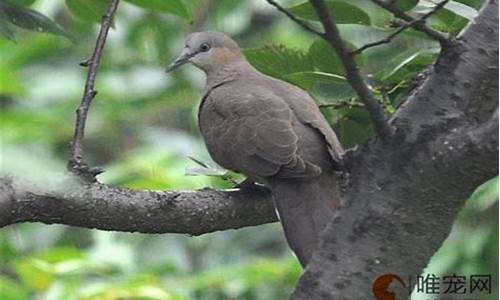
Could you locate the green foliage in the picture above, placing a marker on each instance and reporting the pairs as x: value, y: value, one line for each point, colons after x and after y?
x: 25, y: 18
x: 343, y: 12
x: 175, y: 7
x: 324, y: 58
x: 277, y: 61
x: 22, y: 2
x: 88, y: 10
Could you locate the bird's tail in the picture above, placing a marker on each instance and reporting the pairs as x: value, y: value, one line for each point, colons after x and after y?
x: 305, y: 206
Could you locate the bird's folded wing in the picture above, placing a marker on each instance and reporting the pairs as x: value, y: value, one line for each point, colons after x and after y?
x: 258, y: 128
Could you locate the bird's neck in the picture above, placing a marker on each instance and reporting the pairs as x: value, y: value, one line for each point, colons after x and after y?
x: 227, y: 72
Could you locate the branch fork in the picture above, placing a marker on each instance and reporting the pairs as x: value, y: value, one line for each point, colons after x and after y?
x: 75, y: 162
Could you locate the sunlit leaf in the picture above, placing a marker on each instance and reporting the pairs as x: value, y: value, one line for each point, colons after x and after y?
x: 452, y: 18
x: 462, y: 10
x: 205, y: 168
x: 342, y: 12
x: 175, y: 7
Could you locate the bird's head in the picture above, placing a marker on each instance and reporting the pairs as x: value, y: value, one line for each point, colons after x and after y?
x: 207, y: 51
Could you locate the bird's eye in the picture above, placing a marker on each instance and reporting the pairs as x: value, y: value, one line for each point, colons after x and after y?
x: 204, y: 47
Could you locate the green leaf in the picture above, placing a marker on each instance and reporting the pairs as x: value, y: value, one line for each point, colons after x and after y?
x: 405, y: 4
x: 452, y: 18
x: 277, y: 61
x: 28, y: 19
x: 325, y: 58
x: 175, y: 7
x: 10, y: 290
x: 22, y: 2
x: 87, y: 10
x: 205, y: 168
x: 384, y: 60
x: 343, y: 12
x: 355, y: 127
x: 462, y: 10
x: 308, y: 79
x: 378, y: 16
x: 326, y: 88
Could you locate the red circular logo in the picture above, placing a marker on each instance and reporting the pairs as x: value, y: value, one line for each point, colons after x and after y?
x: 381, y: 285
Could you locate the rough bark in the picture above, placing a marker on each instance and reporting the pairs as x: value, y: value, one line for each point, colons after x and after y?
x: 403, y: 197
x: 111, y: 208
x: 399, y: 202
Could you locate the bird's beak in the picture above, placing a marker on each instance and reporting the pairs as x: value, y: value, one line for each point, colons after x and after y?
x: 182, y: 59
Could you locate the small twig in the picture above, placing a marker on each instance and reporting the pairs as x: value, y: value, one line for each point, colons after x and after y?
x: 75, y: 163
x: 401, y: 29
x: 353, y: 76
x: 416, y: 24
x: 294, y: 18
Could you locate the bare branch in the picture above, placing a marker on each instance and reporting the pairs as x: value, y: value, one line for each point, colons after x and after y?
x: 294, y: 18
x: 75, y: 163
x: 353, y: 76
x: 401, y: 29
x: 420, y: 26
x: 119, y: 209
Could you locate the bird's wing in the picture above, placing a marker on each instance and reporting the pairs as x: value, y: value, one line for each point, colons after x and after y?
x: 308, y: 113
x: 258, y: 131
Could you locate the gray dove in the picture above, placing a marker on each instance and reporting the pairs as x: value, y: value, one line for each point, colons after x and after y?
x: 270, y: 131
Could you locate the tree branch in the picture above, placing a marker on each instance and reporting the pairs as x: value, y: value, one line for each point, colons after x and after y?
x: 403, y: 197
x: 75, y: 163
x: 353, y: 76
x: 389, y: 38
x: 119, y: 209
x: 294, y: 18
x: 420, y: 26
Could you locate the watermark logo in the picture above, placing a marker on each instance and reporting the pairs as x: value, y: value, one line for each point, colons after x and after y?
x: 381, y: 285
x: 430, y: 284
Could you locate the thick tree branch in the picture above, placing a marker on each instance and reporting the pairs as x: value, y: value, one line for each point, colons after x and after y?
x: 111, y: 208
x: 75, y: 163
x: 353, y: 76
x: 420, y: 26
x: 403, y: 197
x: 390, y: 37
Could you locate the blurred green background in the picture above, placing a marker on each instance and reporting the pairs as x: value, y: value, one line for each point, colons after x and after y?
x: 142, y: 129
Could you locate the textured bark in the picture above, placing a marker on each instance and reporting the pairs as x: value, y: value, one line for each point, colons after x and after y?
x: 403, y: 197
x: 111, y: 208
x: 400, y: 199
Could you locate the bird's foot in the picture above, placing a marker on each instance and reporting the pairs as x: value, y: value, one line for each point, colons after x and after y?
x: 84, y: 172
